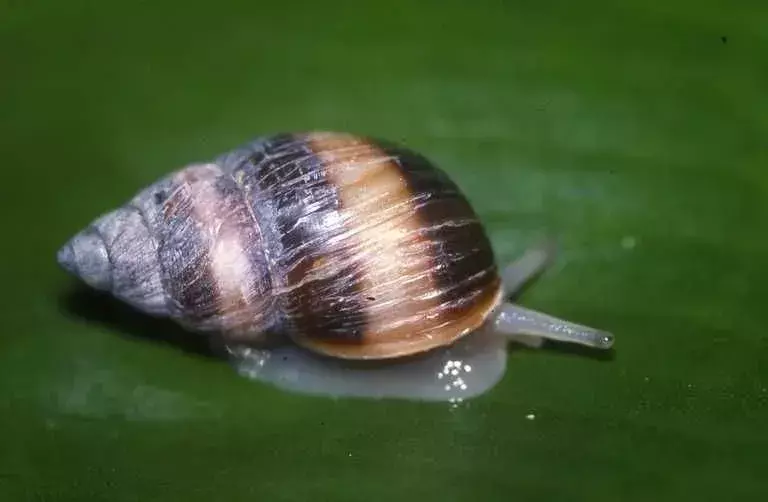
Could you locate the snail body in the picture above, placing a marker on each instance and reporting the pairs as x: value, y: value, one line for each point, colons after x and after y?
x: 325, y: 263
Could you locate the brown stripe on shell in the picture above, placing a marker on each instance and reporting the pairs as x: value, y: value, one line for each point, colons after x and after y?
x: 212, y: 253
x: 464, y: 265
x: 316, y: 276
x: 398, y: 253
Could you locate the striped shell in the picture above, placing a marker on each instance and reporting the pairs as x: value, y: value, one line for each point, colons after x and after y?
x: 353, y: 247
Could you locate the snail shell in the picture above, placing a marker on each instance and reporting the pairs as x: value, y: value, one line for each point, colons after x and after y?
x: 351, y: 248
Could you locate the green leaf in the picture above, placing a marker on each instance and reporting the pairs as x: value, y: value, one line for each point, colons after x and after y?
x: 634, y: 131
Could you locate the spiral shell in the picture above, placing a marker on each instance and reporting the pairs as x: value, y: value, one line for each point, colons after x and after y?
x: 353, y: 247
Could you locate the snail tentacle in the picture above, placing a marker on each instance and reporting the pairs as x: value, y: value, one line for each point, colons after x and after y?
x: 522, y: 324
x: 524, y: 269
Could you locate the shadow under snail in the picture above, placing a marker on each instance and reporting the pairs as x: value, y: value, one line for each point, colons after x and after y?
x: 324, y: 263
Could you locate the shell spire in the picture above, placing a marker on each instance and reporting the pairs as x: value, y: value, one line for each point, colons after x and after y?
x: 117, y: 254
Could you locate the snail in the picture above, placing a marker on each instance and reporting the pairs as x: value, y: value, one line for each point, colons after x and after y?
x: 324, y: 263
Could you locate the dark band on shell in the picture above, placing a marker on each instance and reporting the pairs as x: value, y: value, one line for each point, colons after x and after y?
x: 317, y: 282
x: 210, y: 251
x: 464, y: 263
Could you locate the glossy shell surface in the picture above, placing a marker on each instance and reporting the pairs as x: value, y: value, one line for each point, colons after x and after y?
x: 352, y: 247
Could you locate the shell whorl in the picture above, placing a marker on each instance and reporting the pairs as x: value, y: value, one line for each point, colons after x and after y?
x: 374, y: 251
x: 353, y: 247
x: 210, y: 251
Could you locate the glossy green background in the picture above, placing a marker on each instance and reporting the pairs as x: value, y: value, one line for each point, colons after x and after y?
x: 607, y: 123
